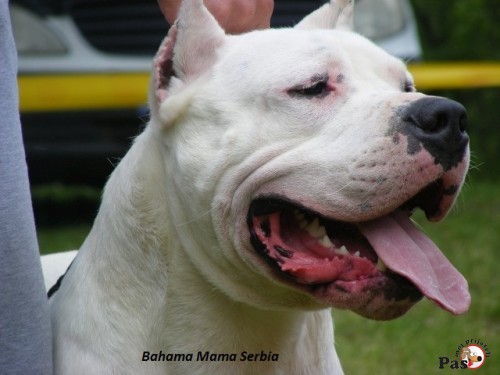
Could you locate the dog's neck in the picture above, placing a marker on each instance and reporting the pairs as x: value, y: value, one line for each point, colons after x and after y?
x: 195, y: 307
x: 182, y: 312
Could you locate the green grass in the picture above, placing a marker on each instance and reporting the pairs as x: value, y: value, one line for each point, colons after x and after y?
x: 64, y: 215
x: 64, y: 194
x: 56, y: 239
x: 470, y: 238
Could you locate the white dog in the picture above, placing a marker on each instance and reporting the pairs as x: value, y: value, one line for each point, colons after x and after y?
x: 274, y: 181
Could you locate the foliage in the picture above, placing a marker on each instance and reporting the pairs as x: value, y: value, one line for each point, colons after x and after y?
x: 458, y: 29
x: 467, y: 30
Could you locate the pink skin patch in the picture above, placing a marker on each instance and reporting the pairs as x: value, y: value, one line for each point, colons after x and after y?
x: 163, y: 69
x: 306, y: 258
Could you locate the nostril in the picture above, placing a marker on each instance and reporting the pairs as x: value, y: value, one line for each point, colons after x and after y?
x: 441, y: 122
x: 430, y: 122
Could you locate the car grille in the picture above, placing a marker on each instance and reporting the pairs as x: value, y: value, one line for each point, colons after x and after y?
x: 289, y: 13
x: 121, y: 27
x: 137, y: 26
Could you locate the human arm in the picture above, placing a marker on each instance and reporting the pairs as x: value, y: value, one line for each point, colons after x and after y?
x: 25, y: 337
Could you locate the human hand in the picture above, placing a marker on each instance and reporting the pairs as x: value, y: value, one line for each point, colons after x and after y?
x: 234, y: 16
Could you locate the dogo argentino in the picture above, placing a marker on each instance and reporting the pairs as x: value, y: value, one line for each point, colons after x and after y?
x: 275, y: 180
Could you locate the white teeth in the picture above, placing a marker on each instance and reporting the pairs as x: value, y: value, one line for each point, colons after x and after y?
x: 303, y: 224
x: 325, y: 241
x: 301, y: 219
x: 342, y: 251
x: 381, y: 266
x: 316, y: 230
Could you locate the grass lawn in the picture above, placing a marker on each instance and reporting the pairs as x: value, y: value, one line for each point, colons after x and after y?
x: 470, y: 238
x: 56, y: 239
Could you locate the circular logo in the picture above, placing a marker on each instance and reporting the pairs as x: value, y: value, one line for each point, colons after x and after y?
x: 474, y: 355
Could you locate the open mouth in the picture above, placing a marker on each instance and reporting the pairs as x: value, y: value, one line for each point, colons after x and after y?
x: 388, y: 253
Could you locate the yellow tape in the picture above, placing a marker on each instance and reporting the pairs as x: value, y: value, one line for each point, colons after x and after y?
x: 455, y: 75
x: 59, y: 92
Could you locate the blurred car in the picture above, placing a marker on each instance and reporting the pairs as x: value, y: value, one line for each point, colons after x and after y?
x: 84, y: 73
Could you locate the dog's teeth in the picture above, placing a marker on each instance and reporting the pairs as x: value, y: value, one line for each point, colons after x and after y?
x: 342, y: 251
x: 303, y: 224
x: 299, y: 215
x: 357, y: 254
x: 381, y: 266
x: 315, y: 229
x: 325, y: 241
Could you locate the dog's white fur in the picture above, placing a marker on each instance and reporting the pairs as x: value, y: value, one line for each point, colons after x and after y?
x: 167, y: 265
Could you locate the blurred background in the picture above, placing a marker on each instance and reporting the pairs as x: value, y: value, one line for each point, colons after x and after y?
x: 83, y: 80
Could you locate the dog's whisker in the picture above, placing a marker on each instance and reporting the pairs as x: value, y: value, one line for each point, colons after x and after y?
x: 341, y: 188
x: 194, y: 219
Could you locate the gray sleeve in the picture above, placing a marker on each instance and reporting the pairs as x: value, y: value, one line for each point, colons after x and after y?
x: 25, y: 338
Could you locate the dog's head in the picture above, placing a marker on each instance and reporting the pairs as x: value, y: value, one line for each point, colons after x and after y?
x: 297, y: 156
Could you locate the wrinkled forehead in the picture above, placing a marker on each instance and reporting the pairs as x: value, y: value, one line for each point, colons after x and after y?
x: 290, y: 54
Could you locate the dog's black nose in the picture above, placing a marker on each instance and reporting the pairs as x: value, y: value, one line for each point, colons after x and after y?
x: 439, y: 124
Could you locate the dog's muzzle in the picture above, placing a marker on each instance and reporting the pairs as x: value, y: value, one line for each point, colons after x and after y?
x: 378, y: 268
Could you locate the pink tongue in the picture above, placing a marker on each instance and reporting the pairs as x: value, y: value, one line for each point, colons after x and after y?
x: 408, y: 252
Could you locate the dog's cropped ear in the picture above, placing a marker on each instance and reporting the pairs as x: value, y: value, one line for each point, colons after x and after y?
x: 188, y: 51
x: 336, y: 15
x: 198, y: 38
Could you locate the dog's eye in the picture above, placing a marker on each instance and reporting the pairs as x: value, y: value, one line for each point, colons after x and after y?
x: 317, y: 89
